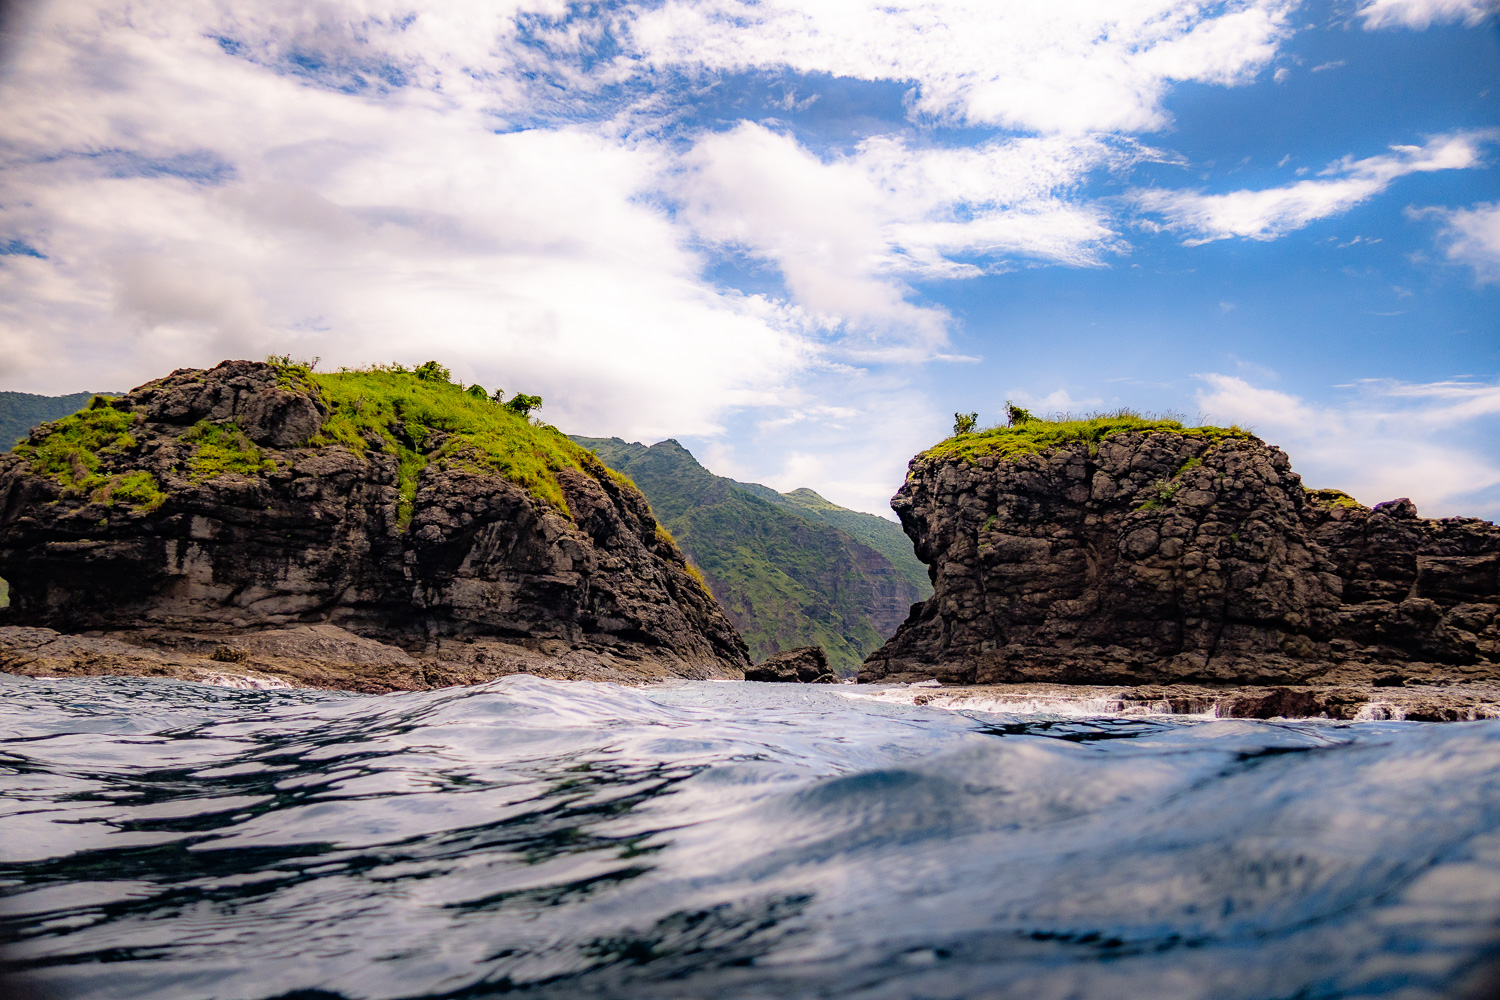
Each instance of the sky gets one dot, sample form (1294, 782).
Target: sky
(795, 235)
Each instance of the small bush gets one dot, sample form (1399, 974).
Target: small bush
(431, 371)
(477, 391)
(1017, 415)
(963, 423)
(523, 404)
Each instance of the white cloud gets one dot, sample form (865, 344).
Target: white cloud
(1472, 237)
(846, 231)
(1073, 66)
(1420, 14)
(1392, 440)
(1273, 212)
(355, 229)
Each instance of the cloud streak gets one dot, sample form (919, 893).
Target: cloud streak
(1271, 213)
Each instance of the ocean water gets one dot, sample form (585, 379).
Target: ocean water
(726, 840)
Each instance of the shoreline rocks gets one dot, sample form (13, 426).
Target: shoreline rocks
(1167, 557)
(213, 509)
(804, 665)
(1352, 703)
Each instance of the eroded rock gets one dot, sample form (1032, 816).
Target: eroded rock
(1185, 559)
(804, 665)
(308, 534)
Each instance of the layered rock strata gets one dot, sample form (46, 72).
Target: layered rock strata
(469, 570)
(1180, 557)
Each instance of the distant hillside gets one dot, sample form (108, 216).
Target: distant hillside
(21, 411)
(790, 569)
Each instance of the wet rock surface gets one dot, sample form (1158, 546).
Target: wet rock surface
(807, 665)
(477, 578)
(1164, 558)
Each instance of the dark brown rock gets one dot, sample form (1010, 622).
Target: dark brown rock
(807, 665)
(317, 540)
(1162, 557)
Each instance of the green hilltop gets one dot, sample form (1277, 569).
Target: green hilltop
(790, 569)
(1026, 434)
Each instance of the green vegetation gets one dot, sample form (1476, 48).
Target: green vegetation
(789, 569)
(139, 489)
(1017, 415)
(1334, 498)
(885, 537)
(21, 411)
(963, 423)
(222, 447)
(420, 416)
(76, 447)
(1031, 435)
(69, 454)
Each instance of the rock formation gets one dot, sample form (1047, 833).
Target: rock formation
(209, 507)
(1169, 555)
(808, 665)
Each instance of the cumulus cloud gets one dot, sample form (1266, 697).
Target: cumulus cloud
(1273, 212)
(1074, 66)
(846, 231)
(1472, 236)
(1421, 14)
(356, 229)
(1393, 439)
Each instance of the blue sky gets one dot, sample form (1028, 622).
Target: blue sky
(795, 236)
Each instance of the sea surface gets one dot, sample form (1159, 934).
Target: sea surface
(728, 840)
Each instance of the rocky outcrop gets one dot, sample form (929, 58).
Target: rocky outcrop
(808, 665)
(1179, 556)
(152, 534)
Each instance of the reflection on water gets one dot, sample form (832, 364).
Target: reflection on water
(727, 840)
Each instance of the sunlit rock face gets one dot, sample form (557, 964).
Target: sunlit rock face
(222, 501)
(1159, 557)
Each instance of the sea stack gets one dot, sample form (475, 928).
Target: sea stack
(381, 509)
(1128, 551)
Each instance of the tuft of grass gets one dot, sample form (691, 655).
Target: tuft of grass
(69, 453)
(1033, 436)
(421, 418)
(139, 489)
(290, 374)
(1334, 498)
(221, 447)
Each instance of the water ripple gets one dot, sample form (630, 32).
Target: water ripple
(733, 840)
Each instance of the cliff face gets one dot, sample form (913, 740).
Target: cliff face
(248, 498)
(1168, 556)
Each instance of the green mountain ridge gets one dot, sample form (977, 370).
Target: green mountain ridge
(790, 569)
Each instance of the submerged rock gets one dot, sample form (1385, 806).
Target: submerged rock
(806, 665)
(1170, 555)
(230, 507)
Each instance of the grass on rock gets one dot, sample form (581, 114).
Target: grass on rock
(71, 450)
(423, 420)
(1032, 437)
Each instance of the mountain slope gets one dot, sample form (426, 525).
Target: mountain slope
(21, 411)
(785, 568)
(885, 537)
